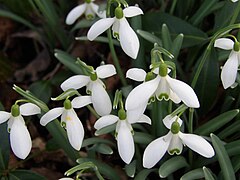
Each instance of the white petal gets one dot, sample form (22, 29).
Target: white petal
(4, 116)
(20, 138)
(133, 115)
(234, 0)
(81, 101)
(125, 142)
(99, 27)
(28, 109)
(229, 71)
(105, 71)
(224, 43)
(75, 82)
(105, 121)
(184, 92)
(136, 74)
(197, 144)
(174, 97)
(128, 39)
(169, 119)
(144, 119)
(132, 11)
(175, 145)
(100, 99)
(75, 131)
(141, 94)
(51, 115)
(75, 13)
(155, 151)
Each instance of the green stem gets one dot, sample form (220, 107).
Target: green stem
(173, 6)
(112, 49)
(235, 15)
(190, 130)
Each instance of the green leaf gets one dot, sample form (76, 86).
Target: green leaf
(142, 138)
(96, 140)
(172, 165)
(149, 37)
(216, 123)
(25, 174)
(130, 169)
(68, 61)
(230, 130)
(105, 130)
(233, 148)
(194, 174)
(66, 94)
(166, 37)
(4, 146)
(42, 90)
(153, 21)
(102, 148)
(223, 158)
(207, 174)
(98, 39)
(143, 174)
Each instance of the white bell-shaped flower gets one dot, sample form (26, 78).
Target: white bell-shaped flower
(162, 86)
(69, 119)
(20, 138)
(88, 8)
(230, 68)
(124, 131)
(121, 29)
(99, 97)
(173, 143)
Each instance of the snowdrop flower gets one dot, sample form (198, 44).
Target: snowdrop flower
(234, 0)
(88, 8)
(121, 29)
(99, 97)
(173, 143)
(69, 119)
(124, 131)
(20, 139)
(162, 86)
(230, 68)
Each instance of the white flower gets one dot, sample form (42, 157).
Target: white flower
(69, 119)
(173, 143)
(163, 87)
(230, 68)
(88, 8)
(20, 139)
(234, 0)
(121, 29)
(99, 97)
(124, 131)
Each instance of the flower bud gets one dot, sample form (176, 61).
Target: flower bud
(122, 114)
(163, 69)
(175, 128)
(15, 110)
(67, 104)
(236, 46)
(119, 13)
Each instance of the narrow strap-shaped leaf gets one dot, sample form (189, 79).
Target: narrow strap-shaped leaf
(172, 165)
(130, 169)
(142, 138)
(194, 174)
(230, 130)
(96, 140)
(149, 37)
(142, 175)
(207, 174)
(223, 158)
(166, 37)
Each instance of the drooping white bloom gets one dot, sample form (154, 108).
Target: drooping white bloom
(163, 87)
(121, 29)
(234, 0)
(69, 119)
(20, 139)
(230, 68)
(124, 131)
(173, 143)
(99, 97)
(88, 8)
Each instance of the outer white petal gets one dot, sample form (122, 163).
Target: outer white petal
(175, 145)
(128, 39)
(132, 11)
(105, 121)
(136, 74)
(100, 99)
(234, 0)
(51, 115)
(105, 71)
(144, 119)
(20, 139)
(75, 131)
(174, 97)
(75, 82)
(224, 43)
(81, 101)
(184, 92)
(4, 116)
(141, 94)
(197, 144)
(169, 119)
(28, 109)
(155, 151)
(99, 27)
(125, 142)
(66, 178)
(133, 115)
(75, 13)
(229, 71)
